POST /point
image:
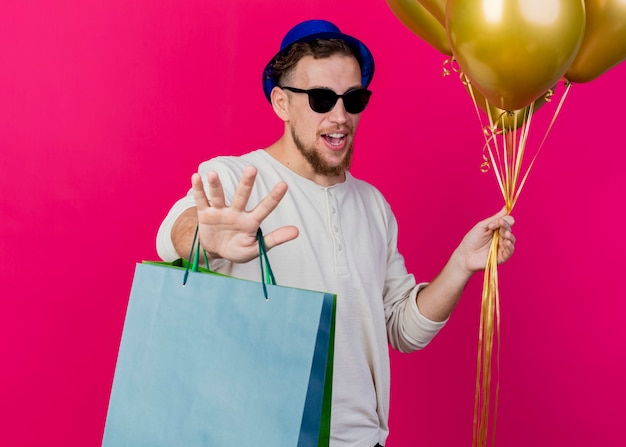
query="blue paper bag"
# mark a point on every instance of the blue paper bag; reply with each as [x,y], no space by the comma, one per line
[216,363]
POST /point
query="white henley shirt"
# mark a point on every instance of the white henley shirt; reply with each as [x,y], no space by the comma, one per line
[347,246]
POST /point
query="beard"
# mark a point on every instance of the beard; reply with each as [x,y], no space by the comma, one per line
[319,166]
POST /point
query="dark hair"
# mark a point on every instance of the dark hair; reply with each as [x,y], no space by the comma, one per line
[285,63]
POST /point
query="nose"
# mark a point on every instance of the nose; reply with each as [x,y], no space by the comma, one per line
[338,113]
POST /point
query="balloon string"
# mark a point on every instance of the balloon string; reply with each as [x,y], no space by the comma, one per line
[545,136]
[504,151]
[507,161]
[490,133]
[489,328]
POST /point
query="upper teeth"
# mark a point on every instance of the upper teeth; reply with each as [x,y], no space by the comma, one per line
[336,135]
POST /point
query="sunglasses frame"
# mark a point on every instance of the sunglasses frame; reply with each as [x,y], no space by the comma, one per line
[331,94]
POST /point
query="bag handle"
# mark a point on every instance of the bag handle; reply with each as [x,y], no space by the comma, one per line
[193,263]
[267,276]
[193,260]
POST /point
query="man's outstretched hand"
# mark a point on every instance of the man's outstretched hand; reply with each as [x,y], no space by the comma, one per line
[230,232]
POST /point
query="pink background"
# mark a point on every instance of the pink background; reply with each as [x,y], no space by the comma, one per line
[107,107]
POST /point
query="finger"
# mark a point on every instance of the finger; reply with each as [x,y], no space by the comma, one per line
[499,214]
[215,190]
[506,243]
[269,202]
[280,236]
[510,220]
[500,220]
[506,235]
[199,195]
[506,250]
[244,189]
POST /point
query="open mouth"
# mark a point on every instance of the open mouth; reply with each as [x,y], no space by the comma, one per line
[334,139]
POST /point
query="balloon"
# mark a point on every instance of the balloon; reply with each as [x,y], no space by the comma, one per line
[604,42]
[437,8]
[508,120]
[514,50]
[422,23]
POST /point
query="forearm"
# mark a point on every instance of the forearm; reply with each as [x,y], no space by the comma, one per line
[437,300]
[183,231]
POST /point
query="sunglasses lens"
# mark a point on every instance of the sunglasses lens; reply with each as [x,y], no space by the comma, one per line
[322,100]
[356,100]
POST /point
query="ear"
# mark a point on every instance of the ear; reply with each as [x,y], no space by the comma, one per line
[280,103]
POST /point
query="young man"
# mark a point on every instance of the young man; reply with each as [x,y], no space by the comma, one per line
[329,231]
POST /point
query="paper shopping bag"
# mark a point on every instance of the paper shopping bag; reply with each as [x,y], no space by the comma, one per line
[216,363]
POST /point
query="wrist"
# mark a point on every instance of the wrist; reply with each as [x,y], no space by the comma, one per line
[460,261]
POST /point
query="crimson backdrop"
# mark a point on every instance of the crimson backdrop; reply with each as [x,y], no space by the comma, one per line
[107,107]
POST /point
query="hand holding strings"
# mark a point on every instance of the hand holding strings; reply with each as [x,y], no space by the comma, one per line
[476,244]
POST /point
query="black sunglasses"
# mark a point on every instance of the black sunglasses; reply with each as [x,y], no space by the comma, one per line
[323,100]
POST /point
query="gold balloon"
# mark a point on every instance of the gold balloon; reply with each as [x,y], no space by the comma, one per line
[422,23]
[437,8]
[604,42]
[514,50]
